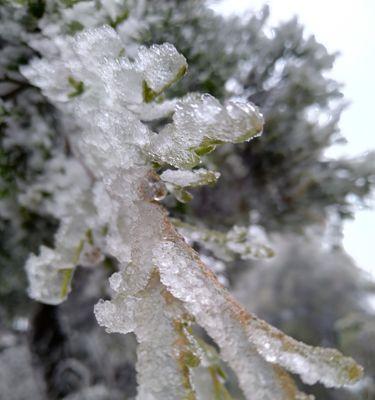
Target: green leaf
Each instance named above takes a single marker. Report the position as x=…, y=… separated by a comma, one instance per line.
x=78, y=87
x=78, y=252
x=73, y=27
x=119, y=19
x=191, y=360
x=67, y=278
x=204, y=149
x=148, y=93
x=220, y=391
x=182, y=195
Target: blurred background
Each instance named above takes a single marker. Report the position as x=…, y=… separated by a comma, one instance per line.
x=305, y=187
x=345, y=28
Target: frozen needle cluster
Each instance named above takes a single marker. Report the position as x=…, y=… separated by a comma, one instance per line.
x=109, y=205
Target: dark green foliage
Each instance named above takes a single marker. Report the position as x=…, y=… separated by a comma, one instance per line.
x=36, y=8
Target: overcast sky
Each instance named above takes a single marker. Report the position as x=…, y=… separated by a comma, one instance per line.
x=347, y=27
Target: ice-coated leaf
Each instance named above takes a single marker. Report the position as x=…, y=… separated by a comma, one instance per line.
x=117, y=315
x=96, y=45
x=177, y=180
x=185, y=178
x=249, y=242
x=49, y=276
x=200, y=122
x=243, y=242
x=161, y=65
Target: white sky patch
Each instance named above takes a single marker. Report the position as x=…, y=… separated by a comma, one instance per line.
x=346, y=27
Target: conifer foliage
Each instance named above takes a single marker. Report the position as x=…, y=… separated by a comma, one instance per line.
x=103, y=148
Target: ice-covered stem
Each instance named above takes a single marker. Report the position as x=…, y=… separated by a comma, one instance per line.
x=188, y=283
x=197, y=287
x=249, y=345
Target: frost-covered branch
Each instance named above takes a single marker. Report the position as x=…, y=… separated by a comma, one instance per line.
x=162, y=287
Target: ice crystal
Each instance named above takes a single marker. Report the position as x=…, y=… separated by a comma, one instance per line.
x=161, y=287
